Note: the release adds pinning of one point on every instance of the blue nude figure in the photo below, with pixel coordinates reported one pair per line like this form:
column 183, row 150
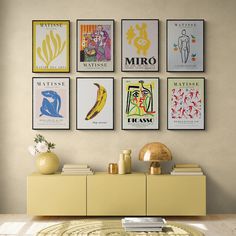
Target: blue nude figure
column 51, row 104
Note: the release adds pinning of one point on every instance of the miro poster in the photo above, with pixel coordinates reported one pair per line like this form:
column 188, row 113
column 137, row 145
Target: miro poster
column 185, row 45
column 51, row 103
column 140, row 45
column 95, row 45
column 51, row 46
column 186, row 103
column 140, row 103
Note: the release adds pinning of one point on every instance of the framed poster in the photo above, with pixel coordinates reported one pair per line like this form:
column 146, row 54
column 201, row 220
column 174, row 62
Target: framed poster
column 140, row 103
column 95, row 45
column 95, row 103
column 186, row 103
column 51, row 46
column 139, row 45
column 185, row 45
column 51, row 103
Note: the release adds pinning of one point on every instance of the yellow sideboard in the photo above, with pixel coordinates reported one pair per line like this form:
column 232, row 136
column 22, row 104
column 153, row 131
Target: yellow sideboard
column 102, row 194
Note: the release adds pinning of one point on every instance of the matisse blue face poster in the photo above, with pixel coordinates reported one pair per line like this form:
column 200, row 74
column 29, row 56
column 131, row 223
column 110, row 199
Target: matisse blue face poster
column 51, row 103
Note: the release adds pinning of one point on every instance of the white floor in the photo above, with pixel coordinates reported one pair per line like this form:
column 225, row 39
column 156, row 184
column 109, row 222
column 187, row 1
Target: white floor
column 22, row 225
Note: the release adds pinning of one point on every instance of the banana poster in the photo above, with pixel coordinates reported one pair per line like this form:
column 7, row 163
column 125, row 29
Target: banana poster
column 186, row 103
column 94, row 103
column 51, row 46
column 140, row 45
column 140, row 103
column 95, row 45
column 51, row 103
column 185, row 45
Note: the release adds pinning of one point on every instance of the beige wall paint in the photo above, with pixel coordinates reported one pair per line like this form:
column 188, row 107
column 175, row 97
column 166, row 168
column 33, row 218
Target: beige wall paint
column 214, row 149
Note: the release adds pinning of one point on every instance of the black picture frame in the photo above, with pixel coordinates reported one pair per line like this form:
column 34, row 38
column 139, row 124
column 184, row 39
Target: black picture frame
column 43, row 125
column 203, row 126
column 138, row 79
column 86, row 79
column 34, row 70
column 202, row 50
column 157, row 43
column 112, row 64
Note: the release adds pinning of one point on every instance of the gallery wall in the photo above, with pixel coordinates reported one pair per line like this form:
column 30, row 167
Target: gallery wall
column 214, row 149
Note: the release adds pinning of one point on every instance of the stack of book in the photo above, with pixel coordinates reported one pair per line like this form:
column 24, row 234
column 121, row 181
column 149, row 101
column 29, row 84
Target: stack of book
column 186, row 169
column 78, row 169
column 143, row 224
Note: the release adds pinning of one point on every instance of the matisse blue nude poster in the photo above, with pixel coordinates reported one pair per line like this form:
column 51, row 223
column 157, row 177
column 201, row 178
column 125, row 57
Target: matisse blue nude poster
column 51, row 103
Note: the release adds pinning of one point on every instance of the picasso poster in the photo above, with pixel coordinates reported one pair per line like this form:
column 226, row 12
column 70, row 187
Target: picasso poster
column 186, row 103
column 94, row 103
column 185, row 45
column 140, row 103
column 95, row 45
column 51, row 46
column 140, row 45
column 51, row 103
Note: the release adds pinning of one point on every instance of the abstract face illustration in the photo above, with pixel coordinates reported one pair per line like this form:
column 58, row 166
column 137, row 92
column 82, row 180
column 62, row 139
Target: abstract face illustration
column 140, row 99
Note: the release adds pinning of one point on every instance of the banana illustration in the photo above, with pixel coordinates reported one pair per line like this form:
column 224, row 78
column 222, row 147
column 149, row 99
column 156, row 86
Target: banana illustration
column 99, row 104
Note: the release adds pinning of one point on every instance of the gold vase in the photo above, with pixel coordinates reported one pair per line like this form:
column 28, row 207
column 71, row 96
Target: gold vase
column 47, row 163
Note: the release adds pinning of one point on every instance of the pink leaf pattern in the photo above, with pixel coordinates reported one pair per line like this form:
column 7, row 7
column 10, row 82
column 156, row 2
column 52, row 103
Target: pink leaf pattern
column 186, row 103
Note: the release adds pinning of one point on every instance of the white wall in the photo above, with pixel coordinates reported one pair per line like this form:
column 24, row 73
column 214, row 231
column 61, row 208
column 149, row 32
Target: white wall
column 214, row 149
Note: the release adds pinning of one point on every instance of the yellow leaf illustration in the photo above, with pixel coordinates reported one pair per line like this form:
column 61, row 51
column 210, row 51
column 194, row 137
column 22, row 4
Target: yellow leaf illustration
column 45, row 52
column 51, row 48
column 39, row 51
column 59, row 42
column 54, row 42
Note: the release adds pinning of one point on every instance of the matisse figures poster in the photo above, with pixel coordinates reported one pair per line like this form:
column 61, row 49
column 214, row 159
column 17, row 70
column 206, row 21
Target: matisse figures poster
column 140, row 103
column 186, row 103
column 51, row 103
column 185, row 45
column 95, row 40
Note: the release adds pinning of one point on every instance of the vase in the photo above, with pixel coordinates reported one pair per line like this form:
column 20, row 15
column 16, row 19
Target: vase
column 47, row 163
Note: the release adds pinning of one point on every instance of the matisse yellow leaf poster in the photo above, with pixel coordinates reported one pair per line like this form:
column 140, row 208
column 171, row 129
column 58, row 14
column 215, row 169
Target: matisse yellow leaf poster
column 51, row 46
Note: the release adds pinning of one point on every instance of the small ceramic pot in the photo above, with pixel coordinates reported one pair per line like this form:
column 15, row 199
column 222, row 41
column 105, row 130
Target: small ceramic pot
column 47, row 163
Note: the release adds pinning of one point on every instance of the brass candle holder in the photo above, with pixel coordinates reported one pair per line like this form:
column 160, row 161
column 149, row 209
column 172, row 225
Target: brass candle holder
column 113, row 168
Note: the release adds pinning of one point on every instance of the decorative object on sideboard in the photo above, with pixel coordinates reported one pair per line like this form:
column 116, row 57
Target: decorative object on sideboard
column 76, row 169
column 155, row 153
column 47, row 162
column 127, row 158
column 121, row 164
column 186, row 169
column 113, row 168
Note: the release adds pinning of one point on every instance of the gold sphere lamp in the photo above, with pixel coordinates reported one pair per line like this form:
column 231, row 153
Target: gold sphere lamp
column 155, row 153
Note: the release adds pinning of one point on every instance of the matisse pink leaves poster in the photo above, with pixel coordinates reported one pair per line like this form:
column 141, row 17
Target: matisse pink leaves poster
column 186, row 103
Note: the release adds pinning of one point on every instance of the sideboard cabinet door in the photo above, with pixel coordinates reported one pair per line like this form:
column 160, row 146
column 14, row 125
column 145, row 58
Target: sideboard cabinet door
column 176, row 195
column 56, row 195
column 118, row 195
